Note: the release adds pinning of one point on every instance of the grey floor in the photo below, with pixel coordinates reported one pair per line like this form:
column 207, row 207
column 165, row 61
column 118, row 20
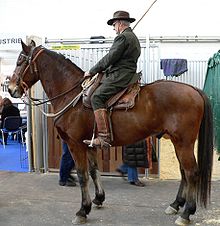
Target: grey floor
column 30, row 199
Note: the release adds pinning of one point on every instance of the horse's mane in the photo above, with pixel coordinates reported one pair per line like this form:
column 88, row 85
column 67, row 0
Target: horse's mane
column 62, row 59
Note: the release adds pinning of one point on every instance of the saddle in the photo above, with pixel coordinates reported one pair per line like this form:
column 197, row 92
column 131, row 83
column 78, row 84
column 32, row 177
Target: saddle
column 125, row 99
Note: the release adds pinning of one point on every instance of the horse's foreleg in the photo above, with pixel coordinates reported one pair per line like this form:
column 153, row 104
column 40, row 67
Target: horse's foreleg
column 180, row 200
column 86, row 204
column 80, row 157
column 94, row 173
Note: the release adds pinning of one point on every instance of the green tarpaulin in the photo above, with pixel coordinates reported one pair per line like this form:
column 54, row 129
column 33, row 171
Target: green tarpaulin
column 212, row 89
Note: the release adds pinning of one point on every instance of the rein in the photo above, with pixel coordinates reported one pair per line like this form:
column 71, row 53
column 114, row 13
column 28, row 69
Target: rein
column 25, row 86
column 85, row 83
column 28, row 64
column 72, row 103
column 42, row 101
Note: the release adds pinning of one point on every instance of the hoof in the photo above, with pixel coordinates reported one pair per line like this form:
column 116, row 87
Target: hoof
column 170, row 211
column 182, row 221
column 98, row 207
column 97, row 203
column 79, row 220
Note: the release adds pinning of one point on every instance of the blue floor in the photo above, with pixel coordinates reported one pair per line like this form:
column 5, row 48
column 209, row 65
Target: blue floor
column 14, row 157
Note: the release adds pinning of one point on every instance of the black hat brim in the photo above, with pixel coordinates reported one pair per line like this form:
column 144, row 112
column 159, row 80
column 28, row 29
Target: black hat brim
column 111, row 21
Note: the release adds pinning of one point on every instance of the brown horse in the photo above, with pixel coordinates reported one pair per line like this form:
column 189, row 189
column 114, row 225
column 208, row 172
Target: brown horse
column 179, row 110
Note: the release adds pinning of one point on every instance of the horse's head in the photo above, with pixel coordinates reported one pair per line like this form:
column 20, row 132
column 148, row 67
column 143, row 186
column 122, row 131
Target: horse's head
column 25, row 73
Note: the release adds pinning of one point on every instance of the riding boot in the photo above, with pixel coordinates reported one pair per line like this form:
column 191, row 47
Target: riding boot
column 103, row 139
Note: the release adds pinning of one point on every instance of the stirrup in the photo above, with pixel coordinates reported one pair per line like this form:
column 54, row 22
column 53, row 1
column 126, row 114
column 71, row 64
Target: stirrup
column 102, row 143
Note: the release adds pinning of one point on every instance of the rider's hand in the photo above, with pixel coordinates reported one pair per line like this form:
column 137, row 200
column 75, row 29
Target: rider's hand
column 87, row 75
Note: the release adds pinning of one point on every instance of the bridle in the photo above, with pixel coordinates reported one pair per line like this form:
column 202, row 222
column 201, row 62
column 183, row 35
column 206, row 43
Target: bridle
column 30, row 62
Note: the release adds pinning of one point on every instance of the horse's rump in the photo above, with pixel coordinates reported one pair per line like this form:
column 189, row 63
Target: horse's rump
column 162, row 106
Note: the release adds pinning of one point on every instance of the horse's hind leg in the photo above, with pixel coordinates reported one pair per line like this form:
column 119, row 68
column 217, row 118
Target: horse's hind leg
column 180, row 200
column 94, row 173
column 188, row 163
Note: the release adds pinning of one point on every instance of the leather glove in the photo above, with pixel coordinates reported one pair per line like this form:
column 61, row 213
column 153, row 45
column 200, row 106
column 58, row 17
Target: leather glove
column 87, row 75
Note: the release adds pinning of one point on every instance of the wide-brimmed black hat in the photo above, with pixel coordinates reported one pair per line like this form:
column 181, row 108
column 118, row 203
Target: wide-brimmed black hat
column 120, row 15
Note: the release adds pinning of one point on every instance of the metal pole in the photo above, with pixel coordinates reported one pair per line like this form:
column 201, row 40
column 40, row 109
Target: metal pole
column 158, row 152
column 45, row 139
column 29, row 138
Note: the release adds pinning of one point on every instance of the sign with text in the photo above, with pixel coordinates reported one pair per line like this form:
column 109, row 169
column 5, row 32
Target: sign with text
column 65, row 47
column 11, row 42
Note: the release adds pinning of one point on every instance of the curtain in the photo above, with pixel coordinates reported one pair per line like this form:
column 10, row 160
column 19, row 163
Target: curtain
column 212, row 89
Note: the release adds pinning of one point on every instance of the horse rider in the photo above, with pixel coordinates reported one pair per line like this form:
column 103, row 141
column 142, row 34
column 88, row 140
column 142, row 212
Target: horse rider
column 119, row 66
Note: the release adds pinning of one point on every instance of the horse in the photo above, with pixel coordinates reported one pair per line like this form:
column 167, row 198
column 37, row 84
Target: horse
column 179, row 110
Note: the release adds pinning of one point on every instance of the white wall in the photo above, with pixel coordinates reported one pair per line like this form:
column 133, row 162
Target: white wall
column 191, row 51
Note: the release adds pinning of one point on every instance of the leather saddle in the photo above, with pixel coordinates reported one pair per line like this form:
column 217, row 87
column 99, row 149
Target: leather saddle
column 125, row 99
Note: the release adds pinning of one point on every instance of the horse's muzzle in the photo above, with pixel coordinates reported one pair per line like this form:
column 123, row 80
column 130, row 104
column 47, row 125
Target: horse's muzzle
column 14, row 91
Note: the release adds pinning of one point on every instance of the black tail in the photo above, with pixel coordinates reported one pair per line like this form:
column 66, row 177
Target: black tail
column 205, row 153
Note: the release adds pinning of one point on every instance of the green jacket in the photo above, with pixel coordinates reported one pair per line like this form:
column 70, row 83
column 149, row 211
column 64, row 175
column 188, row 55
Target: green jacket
column 120, row 64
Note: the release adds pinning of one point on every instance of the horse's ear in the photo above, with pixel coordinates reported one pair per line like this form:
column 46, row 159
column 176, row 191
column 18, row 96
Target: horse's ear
column 24, row 47
column 33, row 44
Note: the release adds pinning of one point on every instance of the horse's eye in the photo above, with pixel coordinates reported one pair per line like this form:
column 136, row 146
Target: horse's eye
column 21, row 59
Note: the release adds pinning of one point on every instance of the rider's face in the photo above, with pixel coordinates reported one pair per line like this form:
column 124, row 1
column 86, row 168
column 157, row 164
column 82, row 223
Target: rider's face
column 116, row 26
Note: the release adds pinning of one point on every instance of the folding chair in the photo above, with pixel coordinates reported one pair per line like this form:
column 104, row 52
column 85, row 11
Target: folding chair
column 11, row 124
